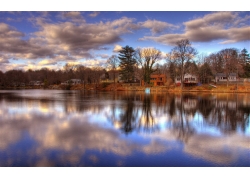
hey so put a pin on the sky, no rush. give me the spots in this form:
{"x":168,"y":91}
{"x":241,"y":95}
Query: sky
{"x":36,"y":39}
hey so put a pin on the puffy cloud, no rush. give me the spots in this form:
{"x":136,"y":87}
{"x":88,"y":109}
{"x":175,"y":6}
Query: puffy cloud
{"x":3,"y":59}
{"x":238,"y":34}
{"x":93,"y":63}
{"x":72,"y":14}
{"x":11,"y":43}
{"x":214,"y":26}
{"x":103,"y":56}
{"x":63,"y":41}
{"x":94,"y":14}
{"x":165,"y":39}
{"x":117,"y":48}
{"x":156,"y":26}
{"x":48,"y":124}
{"x":217,"y":18}
{"x":47,"y":62}
{"x":7,"y":32}
{"x":77,"y":39}
{"x":214,"y":148}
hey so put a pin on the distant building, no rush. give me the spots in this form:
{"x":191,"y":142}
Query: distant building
{"x":36,"y":83}
{"x":188,"y":79}
{"x":156,"y":80}
{"x":222,"y":77}
{"x":72,"y":82}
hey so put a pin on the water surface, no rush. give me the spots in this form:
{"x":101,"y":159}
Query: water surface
{"x":77,"y":128}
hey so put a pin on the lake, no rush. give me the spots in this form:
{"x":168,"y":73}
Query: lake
{"x":61,"y":128}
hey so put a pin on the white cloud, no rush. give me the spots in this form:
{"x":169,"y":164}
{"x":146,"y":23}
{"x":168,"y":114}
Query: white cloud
{"x":213,"y":26}
{"x":93,"y":63}
{"x":94,"y":14}
{"x":156,"y":26}
{"x":117,"y":48}
{"x":64,"y":41}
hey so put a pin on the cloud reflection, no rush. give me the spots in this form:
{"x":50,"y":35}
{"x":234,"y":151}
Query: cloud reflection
{"x":72,"y":129}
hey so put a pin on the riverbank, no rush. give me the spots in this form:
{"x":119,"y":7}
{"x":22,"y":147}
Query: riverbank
{"x":243,"y":88}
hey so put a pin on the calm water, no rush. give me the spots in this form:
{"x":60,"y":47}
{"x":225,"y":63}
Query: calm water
{"x":75,"y":128}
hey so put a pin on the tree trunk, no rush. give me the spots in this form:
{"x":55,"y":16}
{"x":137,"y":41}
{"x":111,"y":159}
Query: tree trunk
{"x":182,"y":74}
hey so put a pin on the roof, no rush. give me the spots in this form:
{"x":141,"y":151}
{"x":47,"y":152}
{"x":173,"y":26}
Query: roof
{"x":224,"y":75}
{"x":75,"y":79}
{"x":157,"y":75}
{"x":220,"y":74}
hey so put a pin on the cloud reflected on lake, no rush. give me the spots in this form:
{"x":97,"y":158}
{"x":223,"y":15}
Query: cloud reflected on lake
{"x":39,"y":132}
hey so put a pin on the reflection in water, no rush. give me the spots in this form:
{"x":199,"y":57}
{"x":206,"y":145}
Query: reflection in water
{"x":128,"y":115}
{"x":74,"y":128}
{"x":147,"y":120}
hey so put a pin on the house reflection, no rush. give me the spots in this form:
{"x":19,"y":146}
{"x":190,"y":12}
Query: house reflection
{"x":143,"y":112}
{"x":210,"y":126}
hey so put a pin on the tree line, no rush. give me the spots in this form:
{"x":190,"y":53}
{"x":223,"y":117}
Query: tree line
{"x":138,"y":64}
{"x":51,"y":77}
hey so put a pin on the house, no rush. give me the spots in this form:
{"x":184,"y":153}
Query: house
{"x":36,"y":83}
{"x":188,"y":79}
{"x":222,"y":77}
{"x":72,"y":82}
{"x":156,"y":80}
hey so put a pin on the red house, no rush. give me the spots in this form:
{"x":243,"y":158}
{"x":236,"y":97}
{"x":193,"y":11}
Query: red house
{"x":156,"y":80}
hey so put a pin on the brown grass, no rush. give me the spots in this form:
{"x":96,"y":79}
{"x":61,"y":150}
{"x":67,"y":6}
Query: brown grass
{"x":170,"y":88}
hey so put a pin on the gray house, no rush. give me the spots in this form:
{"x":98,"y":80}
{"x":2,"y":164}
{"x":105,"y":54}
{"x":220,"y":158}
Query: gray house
{"x":222,"y":77}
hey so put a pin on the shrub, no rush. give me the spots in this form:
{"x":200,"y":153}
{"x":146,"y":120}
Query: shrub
{"x":105,"y":84}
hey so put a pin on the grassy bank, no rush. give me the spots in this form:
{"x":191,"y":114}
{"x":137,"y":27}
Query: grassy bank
{"x":245,"y":88}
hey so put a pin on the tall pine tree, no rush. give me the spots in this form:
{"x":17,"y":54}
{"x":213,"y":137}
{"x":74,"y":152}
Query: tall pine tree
{"x":245,"y":59}
{"x":127,"y":63}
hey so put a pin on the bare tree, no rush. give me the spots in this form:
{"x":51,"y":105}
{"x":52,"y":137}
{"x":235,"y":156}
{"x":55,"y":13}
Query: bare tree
{"x":183,"y":52}
{"x":69,"y":69}
{"x":230,"y":59}
{"x":146,"y":59}
{"x":113,"y":64}
{"x":215,"y":62}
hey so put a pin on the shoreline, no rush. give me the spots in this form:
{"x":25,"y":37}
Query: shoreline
{"x":120,"y":88}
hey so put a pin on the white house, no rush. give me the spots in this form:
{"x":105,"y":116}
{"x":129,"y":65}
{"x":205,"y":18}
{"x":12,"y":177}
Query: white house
{"x":36,"y":83}
{"x":72,"y":82}
{"x":188,"y":79}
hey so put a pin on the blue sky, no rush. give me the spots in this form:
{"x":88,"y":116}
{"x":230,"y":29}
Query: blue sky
{"x":37,"y":39}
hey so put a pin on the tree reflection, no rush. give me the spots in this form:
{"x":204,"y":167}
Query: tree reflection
{"x":130,"y":112}
{"x":186,"y":105}
{"x":128,"y":117}
{"x":205,"y":106}
{"x":172,"y":106}
{"x":226,"y":113}
{"x":147,"y":120}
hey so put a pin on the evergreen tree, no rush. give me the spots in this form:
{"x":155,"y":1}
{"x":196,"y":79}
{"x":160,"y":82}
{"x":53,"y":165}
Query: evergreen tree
{"x":245,"y":59}
{"x":127,"y":63}
{"x":244,"y":56}
{"x":172,"y":72}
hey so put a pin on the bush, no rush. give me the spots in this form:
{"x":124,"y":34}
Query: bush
{"x":105,"y":84}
